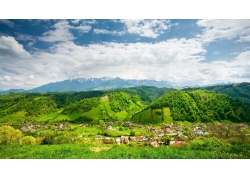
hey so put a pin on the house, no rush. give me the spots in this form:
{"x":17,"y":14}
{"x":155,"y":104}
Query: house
{"x":172,"y":142}
{"x":118,"y":140}
{"x":140,"y":138}
{"x":245,"y":125}
{"x":160,"y":142}
{"x":109,"y":128}
{"x":179,"y":133}
{"x":107,"y":140}
{"x":178,"y":140}
{"x":23,"y":129}
{"x":125,"y":139}
{"x":154,"y":144}
{"x":60,"y":126}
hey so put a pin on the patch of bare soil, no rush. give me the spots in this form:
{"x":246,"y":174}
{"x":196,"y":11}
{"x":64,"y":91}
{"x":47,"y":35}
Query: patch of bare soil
{"x":98,"y":149}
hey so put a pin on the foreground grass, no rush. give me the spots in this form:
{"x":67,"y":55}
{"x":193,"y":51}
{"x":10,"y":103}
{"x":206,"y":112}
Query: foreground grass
{"x":87,"y":151}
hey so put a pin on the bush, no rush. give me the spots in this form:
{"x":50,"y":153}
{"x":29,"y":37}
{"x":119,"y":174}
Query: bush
{"x":132,"y":133}
{"x":48,"y":137}
{"x":9,"y":135}
{"x":30,"y":140}
{"x":207,"y":144}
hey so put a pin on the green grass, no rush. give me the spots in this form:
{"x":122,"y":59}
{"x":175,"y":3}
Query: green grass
{"x":83,"y":151}
{"x":167,"y":115}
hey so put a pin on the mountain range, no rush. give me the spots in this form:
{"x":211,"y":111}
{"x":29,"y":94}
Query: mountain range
{"x":84,"y":84}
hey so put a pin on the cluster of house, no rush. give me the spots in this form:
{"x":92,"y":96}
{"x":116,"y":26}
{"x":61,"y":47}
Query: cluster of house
{"x":153,"y":141}
{"x":29,"y":126}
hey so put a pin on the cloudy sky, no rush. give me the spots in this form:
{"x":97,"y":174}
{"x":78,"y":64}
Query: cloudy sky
{"x":184,"y":52}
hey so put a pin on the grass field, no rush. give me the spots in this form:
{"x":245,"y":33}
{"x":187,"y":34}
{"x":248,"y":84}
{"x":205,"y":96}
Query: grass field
{"x":167,"y":115}
{"x":88,"y":151}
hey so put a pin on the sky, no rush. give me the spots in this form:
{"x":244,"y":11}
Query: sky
{"x":185,"y":52}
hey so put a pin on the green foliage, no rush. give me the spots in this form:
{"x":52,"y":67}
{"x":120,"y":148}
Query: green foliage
{"x":147,"y":93}
{"x":195,"y":106}
{"x":48,"y":137}
{"x":132,"y":133}
{"x":82,"y":119}
{"x":9,"y":135}
{"x":29,"y":140}
{"x":84,"y":105}
{"x":83,"y":151}
{"x":119,"y":101}
{"x":208,"y":144}
{"x":240,"y":91}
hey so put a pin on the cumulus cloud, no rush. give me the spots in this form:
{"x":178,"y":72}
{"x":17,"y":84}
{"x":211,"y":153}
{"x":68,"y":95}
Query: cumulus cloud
{"x":10,"y":48}
{"x":104,"y":31}
{"x":147,"y":28}
{"x":24,"y":37}
{"x":7,"y":78}
{"x":214,"y":29}
{"x":244,"y":39}
{"x":7,"y":22}
{"x":61,"y":31}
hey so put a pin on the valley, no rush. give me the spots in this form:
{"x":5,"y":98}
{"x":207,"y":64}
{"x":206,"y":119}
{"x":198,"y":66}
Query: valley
{"x":143,"y":118}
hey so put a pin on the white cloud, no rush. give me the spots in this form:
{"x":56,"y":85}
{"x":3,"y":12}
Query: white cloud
{"x":214,"y":29}
{"x":76,"y":21}
{"x":216,"y":52}
{"x":7,"y":78}
{"x":7,"y":22}
{"x":24,"y":37}
{"x":10,"y":48}
{"x":180,"y":61}
{"x":59,"y":34}
{"x":31,"y":76}
{"x":147,"y":28}
{"x":82,"y":29}
{"x":104,"y":31}
{"x":244,"y":39}
{"x":87,"y":22}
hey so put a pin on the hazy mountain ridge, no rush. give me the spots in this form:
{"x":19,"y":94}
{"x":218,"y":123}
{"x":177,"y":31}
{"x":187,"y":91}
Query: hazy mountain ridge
{"x":84,"y":84}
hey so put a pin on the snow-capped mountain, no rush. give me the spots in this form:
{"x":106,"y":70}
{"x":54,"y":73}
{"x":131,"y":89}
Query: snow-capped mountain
{"x":104,"y":83}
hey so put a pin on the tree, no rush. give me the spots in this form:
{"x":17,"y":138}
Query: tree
{"x":29,"y":140}
{"x":9,"y":135}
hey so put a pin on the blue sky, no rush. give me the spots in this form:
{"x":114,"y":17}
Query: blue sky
{"x":185,"y":52}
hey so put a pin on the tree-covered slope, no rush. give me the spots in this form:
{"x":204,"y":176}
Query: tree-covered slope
{"x":200,"y":105}
{"x":14,"y":108}
{"x":240,"y":91}
{"x":110,"y":107}
{"x":147,"y":93}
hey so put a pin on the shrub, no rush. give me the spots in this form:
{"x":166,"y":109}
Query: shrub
{"x":132,"y":133}
{"x":207,"y":144}
{"x":30,"y":140}
{"x":9,"y":135}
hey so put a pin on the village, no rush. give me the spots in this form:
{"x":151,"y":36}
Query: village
{"x":130,"y":133}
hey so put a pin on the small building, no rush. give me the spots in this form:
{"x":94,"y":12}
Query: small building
{"x":178,"y":140}
{"x":60,"y":126}
{"x":140,"y":138}
{"x":109,"y":128}
{"x":154,"y":144}
{"x":118,"y":140}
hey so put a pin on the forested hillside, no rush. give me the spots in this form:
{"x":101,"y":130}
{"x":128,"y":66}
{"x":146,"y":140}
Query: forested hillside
{"x":140,"y":104}
{"x":199,"y":106}
{"x":240,"y":91}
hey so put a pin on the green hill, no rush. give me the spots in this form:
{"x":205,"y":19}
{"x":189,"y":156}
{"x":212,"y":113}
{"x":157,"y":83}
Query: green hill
{"x":20,"y":108}
{"x":139,"y":104}
{"x":111,"y":107}
{"x":195,"y":106}
{"x":240,"y":91}
{"x":147,"y":93}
